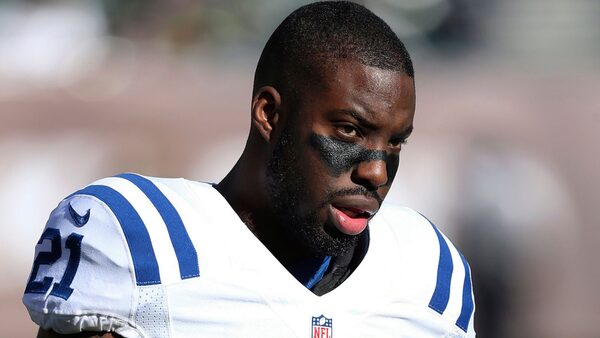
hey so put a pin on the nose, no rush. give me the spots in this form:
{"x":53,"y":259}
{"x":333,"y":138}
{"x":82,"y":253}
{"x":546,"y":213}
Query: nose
{"x":371,"y":174}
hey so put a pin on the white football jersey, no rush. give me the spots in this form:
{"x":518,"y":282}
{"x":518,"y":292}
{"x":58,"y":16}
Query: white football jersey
{"x":151,"y":257}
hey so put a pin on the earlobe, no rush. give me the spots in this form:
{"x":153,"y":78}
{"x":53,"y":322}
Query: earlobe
{"x":265,"y":111}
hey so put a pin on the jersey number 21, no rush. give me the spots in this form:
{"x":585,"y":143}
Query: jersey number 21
{"x":62,"y":288}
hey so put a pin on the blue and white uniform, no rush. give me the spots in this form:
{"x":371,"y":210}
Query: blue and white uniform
{"x":152,"y":257}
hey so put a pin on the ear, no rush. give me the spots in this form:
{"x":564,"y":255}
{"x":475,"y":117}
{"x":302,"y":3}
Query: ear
{"x":265,"y":111}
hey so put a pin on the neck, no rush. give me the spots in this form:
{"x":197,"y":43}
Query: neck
{"x":243,"y":197}
{"x":244,"y":189}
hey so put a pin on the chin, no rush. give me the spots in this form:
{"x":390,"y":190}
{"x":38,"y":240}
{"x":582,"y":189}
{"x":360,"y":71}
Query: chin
{"x":329,"y":241}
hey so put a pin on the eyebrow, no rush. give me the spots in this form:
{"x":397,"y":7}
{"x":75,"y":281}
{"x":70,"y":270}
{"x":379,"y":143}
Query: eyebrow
{"x":358,"y":117}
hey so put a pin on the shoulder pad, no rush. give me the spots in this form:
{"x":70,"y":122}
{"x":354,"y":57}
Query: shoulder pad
{"x":104,"y":249}
{"x":81,"y":266}
{"x":442,"y":274}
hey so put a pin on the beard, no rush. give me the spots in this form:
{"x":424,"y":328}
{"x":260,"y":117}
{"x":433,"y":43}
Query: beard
{"x":288,"y":189}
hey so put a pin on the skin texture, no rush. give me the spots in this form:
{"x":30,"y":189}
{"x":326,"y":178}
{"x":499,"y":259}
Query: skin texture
{"x":334,"y":141}
{"x":337,"y":140}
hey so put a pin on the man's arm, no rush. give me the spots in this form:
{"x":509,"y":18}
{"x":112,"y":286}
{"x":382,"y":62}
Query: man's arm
{"x":51,"y":334}
{"x":81,"y":266}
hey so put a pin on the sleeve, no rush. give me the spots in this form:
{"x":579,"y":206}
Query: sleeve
{"x":452,"y":297}
{"x":82,"y":277}
{"x":440,"y":276}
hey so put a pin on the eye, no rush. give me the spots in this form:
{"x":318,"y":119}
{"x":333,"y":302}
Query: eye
{"x":397,"y":142}
{"x":347,"y":130}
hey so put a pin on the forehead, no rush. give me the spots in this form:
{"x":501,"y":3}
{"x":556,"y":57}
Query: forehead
{"x":374,"y":92}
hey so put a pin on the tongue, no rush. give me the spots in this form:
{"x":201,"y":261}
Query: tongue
{"x":349,"y":225}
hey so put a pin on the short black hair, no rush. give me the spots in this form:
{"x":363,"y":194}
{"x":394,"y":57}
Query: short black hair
{"x":313,"y":36}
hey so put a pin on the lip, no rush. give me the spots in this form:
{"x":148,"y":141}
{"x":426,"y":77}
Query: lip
{"x":357,"y":204}
{"x":351,"y":214}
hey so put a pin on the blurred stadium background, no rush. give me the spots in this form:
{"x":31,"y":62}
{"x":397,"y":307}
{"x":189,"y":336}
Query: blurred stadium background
{"x":505,"y":154}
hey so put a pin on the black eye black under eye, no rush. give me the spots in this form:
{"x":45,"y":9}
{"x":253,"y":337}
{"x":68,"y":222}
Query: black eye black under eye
{"x":340,"y":156}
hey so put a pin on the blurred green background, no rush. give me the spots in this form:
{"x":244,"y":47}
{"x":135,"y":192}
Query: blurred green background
{"x":504,"y":157}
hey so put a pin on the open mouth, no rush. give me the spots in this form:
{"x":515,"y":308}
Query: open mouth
{"x":353,"y":212}
{"x":350,"y":220}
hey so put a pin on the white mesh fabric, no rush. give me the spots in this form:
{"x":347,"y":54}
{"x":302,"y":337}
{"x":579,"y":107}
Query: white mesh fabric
{"x":152,"y":313}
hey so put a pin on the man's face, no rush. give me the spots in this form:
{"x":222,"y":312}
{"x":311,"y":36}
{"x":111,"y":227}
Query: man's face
{"x":337,"y":156}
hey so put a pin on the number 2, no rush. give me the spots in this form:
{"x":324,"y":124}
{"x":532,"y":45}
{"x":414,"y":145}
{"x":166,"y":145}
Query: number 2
{"x":61,"y":289}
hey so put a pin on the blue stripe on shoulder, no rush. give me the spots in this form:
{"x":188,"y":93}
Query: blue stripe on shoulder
{"x":182,"y":244}
{"x":138,"y":239}
{"x":441,"y":294}
{"x":467,"y":302}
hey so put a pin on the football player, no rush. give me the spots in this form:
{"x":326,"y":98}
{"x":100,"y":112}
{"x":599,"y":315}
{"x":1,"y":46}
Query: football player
{"x":295,"y":241}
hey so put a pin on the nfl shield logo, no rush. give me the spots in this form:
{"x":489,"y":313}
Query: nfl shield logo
{"x":321,"y":327}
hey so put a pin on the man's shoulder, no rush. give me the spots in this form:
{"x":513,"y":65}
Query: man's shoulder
{"x":148,"y":185}
{"x":437,"y":266}
{"x":398,"y":213}
{"x":415,"y":230}
{"x":106,"y":243}
{"x":405,"y":221}
{"x":133,"y":193}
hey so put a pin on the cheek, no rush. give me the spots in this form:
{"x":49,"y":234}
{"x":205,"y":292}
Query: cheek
{"x":315,"y":174}
{"x":337,"y":156}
